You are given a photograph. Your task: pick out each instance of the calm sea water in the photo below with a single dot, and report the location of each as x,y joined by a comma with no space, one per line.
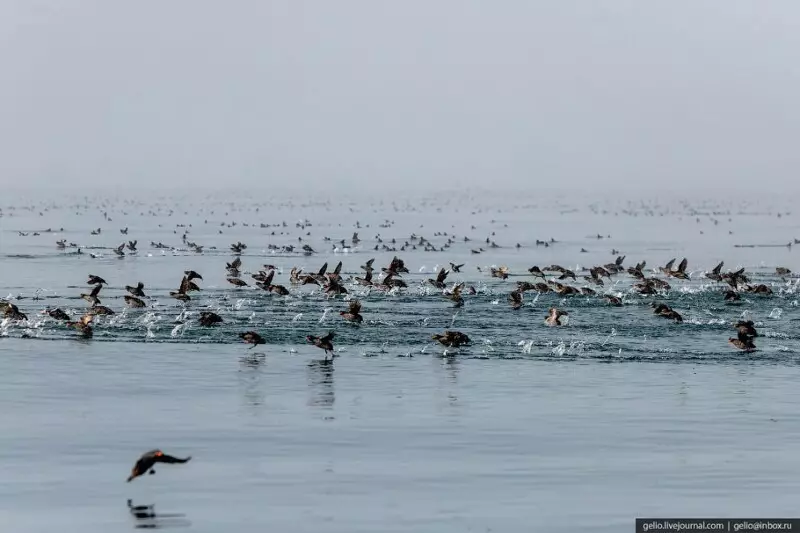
616,415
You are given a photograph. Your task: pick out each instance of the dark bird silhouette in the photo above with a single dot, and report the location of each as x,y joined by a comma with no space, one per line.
715,272
663,310
148,461
209,318
233,266
251,337
353,313
732,296
192,275
439,281
537,272
92,296
83,325
181,293
367,267
456,268
138,290
101,310
12,312
336,274
94,280
666,269
515,299
680,273
366,280
746,327
324,343
452,339
58,314
743,342
638,270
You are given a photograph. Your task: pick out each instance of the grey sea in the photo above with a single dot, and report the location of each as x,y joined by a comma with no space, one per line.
616,414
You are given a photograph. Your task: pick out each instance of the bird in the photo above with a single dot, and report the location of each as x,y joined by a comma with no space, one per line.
746,327
209,318
137,290
94,280
367,267
322,342
680,273
554,317
58,314
353,313
181,293
743,342
92,296
456,268
439,281
251,337
83,325
451,339
12,312
515,299
148,461
192,275
715,275
366,280
233,266
666,311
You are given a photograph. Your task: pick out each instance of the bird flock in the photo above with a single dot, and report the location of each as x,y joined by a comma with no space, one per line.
550,279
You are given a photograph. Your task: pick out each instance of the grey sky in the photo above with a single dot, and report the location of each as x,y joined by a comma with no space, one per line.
587,92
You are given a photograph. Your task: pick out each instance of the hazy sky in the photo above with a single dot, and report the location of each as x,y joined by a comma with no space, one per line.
585,93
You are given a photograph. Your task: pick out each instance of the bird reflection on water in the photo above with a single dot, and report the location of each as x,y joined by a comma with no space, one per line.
251,376
147,518
320,381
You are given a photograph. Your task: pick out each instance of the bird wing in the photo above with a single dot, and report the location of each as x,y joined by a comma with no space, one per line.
164,458
329,337
682,265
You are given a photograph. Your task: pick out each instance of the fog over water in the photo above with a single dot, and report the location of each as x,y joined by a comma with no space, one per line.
412,94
